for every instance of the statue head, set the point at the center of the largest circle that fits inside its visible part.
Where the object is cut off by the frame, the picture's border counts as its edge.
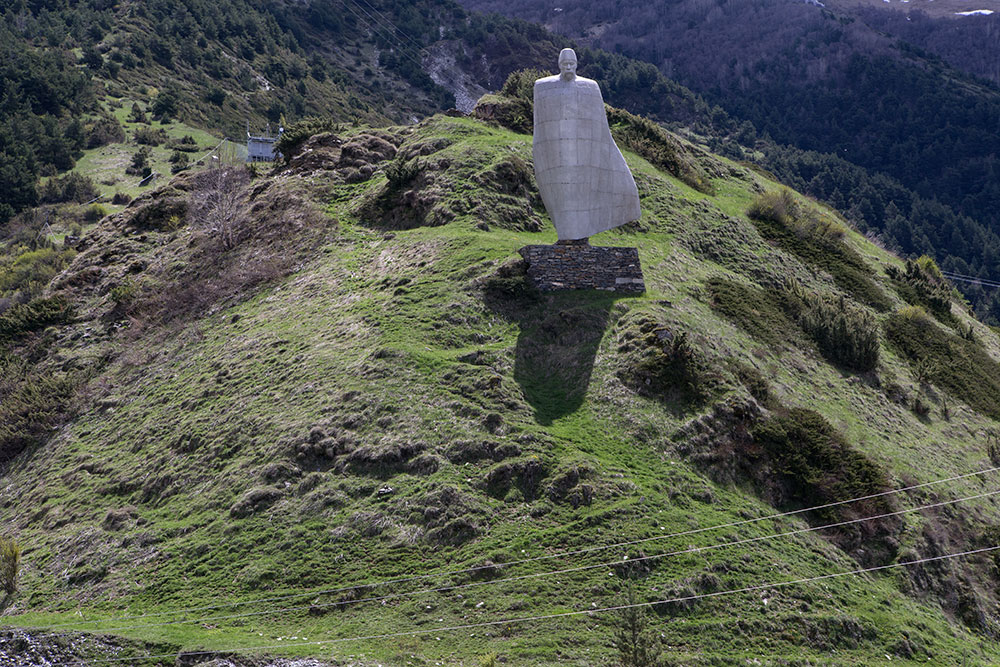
(567, 64)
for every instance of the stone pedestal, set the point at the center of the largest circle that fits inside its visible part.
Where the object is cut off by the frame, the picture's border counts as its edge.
(581, 266)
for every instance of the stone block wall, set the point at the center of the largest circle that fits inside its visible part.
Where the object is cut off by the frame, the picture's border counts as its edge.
(560, 267)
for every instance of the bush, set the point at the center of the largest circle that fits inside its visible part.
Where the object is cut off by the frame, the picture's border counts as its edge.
(845, 334)
(10, 564)
(103, 131)
(949, 361)
(661, 362)
(140, 164)
(297, 133)
(94, 213)
(816, 240)
(147, 136)
(33, 403)
(921, 283)
(31, 271)
(779, 207)
(655, 144)
(817, 465)
(137, 115)
(20, 320)
(71, 187)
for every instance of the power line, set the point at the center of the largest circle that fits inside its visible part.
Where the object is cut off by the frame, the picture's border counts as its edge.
(564, 554)
(974, 281)
(537, 575)
(393, 25)
(564, 614)
(381, 31)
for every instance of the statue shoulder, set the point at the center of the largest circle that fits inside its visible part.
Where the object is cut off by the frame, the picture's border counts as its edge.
(587, 83)
(544, 82)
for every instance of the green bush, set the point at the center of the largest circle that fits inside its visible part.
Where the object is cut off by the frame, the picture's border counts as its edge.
(71, 187)
(662, 363)
(297, 133)
(816, 240)
(21, 320)
(951, 362)
(147, 136)
(816, 464)
(10, 564)
(758, 312)
(31, 271)
(845, 334)
(652, 142)
(94, 213)
(921, 283)
(33, 404)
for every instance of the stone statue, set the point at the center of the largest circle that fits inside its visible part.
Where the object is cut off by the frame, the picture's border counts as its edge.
(584, 181)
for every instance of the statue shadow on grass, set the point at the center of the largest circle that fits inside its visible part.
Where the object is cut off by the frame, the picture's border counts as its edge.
(560, 333)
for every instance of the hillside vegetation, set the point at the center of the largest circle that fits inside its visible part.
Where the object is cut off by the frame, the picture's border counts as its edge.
(885, 118)
(247, 401)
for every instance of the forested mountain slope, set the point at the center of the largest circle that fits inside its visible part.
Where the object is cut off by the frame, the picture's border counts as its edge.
(246, 429)
(841, 85)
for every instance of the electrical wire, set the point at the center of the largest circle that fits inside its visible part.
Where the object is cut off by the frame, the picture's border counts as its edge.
(538, 575)
(542, 617)
(396, 28)
(563, 554)
(381, 31)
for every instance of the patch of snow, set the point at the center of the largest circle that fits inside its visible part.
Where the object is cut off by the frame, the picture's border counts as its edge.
(975, 12)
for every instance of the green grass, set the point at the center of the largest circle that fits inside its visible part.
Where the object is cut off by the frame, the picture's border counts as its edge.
(392, 407)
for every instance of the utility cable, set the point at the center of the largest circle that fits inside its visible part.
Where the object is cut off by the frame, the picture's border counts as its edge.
(580, 568)
(563, 554)
(393, 25)
(380, 31)
(542, 617)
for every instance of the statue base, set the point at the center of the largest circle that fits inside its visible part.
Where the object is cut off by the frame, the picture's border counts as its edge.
(583, 266)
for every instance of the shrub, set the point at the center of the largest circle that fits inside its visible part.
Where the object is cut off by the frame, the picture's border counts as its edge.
(655, 144)
(779, 207)
(816, 240)
(297, 133)
(845, 334)
(34, 404)
(921, 283)
(20, 320)
(31, 271)
(137, 115)
(147, 136)
(758, 312)
(637, 645)
(661, 362)
(71, 187)
(105, 130)
(816, 464)
(10, 564)
(94, 213)
(140, 163)
(951, 362)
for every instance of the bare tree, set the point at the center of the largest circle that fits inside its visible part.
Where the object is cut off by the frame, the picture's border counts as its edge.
(219, 204)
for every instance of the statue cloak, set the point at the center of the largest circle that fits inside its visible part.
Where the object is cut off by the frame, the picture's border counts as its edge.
(583, 179)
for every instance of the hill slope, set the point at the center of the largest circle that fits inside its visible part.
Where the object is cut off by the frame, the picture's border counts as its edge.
(355, 385)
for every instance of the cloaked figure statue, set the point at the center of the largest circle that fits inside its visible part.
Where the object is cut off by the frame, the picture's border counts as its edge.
(583, 179)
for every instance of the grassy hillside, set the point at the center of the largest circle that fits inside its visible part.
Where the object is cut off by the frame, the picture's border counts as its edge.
(245, 394)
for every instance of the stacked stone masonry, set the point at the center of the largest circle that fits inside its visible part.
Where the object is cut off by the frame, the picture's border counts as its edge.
(565, 267)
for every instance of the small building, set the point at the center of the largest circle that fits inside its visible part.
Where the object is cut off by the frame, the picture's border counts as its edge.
(260, 146)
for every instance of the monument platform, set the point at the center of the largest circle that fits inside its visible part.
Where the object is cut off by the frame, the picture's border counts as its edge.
(581, 266)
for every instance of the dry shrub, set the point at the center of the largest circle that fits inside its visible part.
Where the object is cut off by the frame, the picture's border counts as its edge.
(219, 204)
(10, 564)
